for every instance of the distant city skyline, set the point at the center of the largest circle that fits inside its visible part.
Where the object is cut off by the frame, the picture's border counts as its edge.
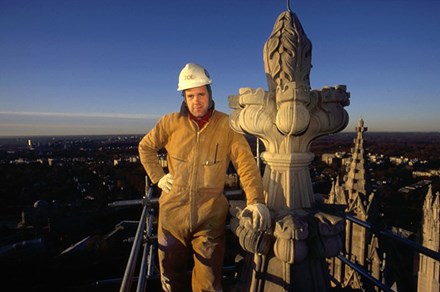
(111, 67)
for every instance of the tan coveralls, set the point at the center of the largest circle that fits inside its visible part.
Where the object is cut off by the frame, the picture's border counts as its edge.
(193, 214)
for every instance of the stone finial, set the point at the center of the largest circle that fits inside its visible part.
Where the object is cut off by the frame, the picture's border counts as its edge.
(289, 116)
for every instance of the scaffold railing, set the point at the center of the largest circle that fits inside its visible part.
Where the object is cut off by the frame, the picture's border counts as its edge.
(146, 237)
(380, 232)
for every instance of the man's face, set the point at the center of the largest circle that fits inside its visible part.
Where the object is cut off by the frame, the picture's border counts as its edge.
(197, 100)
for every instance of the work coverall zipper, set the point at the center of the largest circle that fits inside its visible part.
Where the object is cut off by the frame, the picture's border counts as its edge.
(193, 183)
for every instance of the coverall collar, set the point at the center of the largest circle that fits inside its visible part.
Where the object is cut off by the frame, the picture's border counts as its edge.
(201, 122)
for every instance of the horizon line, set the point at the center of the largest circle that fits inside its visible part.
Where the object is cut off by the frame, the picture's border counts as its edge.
(82, 115)
(142, 134)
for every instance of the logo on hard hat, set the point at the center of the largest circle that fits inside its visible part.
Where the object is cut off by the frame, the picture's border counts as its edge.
(193, 75)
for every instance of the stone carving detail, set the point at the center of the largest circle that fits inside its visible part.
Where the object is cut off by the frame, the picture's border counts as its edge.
(331, 231)
(291, 234)
(287, 118)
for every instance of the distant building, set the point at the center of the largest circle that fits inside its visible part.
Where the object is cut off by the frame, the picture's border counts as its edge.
(133, 159)
(30, 146)
(405, 161)
(328, 158)
(232, 180)
(428, 173)
(415, 186)
(340, 157)
(162, 160)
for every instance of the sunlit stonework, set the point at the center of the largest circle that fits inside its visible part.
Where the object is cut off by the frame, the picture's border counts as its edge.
(287, 118)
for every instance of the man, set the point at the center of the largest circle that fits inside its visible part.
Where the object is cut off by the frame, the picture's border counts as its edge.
(192, 208)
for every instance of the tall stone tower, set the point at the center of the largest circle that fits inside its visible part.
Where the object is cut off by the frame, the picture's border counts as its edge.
(429, 269)
(361, 246)
(356, 182)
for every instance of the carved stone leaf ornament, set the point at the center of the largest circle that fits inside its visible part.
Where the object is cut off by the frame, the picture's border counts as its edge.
(287, 64)
(288, 53)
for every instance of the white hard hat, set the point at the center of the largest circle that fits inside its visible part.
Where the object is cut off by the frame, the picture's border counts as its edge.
(193, 75)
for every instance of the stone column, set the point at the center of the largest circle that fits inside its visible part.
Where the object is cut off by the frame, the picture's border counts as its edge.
(287, 118)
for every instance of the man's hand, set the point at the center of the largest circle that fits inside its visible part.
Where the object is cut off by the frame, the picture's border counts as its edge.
(166, 182)
(256, 217)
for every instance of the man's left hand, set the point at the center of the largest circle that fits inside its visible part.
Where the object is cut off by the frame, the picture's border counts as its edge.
(256, 217)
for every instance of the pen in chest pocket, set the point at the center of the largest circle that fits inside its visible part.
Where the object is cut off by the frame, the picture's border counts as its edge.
(215, 153)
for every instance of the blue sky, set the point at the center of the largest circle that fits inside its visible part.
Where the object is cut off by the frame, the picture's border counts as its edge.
(111, 67)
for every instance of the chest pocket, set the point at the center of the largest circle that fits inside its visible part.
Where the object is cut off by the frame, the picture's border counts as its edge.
(214, 175)
(213, 168)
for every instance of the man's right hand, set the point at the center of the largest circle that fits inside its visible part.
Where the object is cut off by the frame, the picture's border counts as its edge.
(166, 182)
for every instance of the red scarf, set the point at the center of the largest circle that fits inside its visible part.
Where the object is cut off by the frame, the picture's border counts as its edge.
(201, 122)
